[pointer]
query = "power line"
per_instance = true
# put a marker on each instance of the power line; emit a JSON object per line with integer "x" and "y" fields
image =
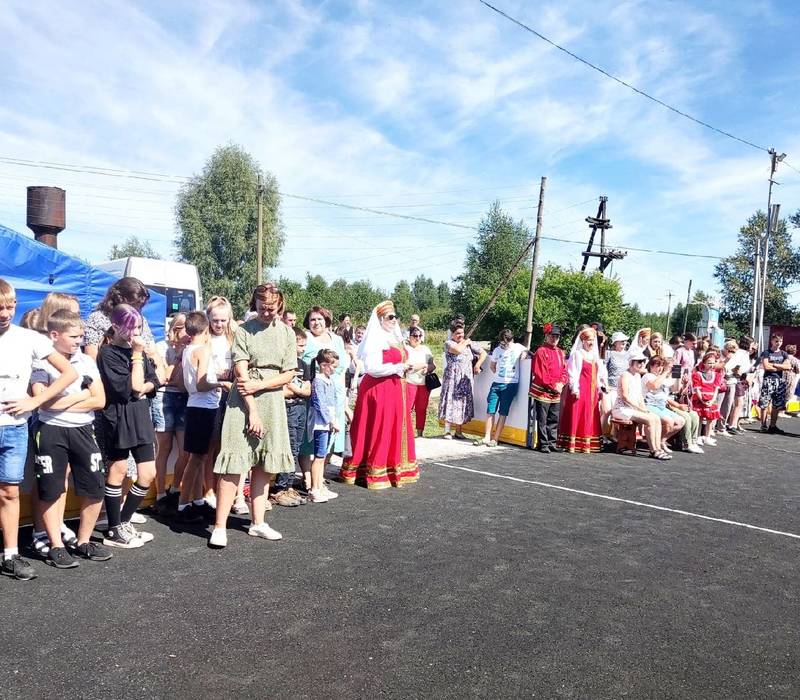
{"x": 397, "y": 215}
{"x": 620, "y": 81}
{"x": 789, "y": 165}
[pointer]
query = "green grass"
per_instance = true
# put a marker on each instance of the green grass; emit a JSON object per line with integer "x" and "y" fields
{"x": 435, "y": 341}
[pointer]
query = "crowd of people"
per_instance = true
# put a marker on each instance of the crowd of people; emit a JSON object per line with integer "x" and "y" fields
{"x": 681, "y": 395}
{"x": 249, "y": 413}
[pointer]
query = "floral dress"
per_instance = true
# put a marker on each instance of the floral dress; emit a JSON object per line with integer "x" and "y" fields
{"x": 455, "y": 403}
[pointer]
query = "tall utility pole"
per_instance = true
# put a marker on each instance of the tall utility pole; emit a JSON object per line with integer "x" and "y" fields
{"x": 686, "y": 310}
{"x": 772, "y": 226}
{"x": 260, "y": 240}
{"x": 759, "y": 274}
{"x": 669, "y": 311}
{"x": 534, "y": 266}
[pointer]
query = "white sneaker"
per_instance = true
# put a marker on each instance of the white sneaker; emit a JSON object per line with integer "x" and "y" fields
{"x": 264, "y": 531}
{"x": 138, "y": 519}
{"x": 330, "y": 494}
{"x": 336, "y": 461}
{"x": 710, "y": 441}
{"x": 701, "y": 440}
{"x": 240, "y": 508}
{"x": 219, "y": 537}
{"x": 695, "y": 450}
{"x": 145, "y": 537}
{"x": 318, "y": 496}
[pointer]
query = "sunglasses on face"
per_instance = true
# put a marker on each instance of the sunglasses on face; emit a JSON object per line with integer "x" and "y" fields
{"x": 415, "y": 335}
{"x": 391, "y": 317}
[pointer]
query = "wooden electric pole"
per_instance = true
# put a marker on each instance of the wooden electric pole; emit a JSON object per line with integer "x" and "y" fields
{"x": 669, "y": 311}
{"x": 534, "y": 266}
{"x": 686, "y": 310}
{"x": 260, "y": 240}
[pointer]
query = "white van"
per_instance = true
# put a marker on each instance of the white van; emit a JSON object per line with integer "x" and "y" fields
{"x": 177, "y": 281}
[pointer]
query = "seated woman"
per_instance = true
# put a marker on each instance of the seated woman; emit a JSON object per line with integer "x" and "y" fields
{"x": 631, "y": 407}
{"x": 655, "y": 386}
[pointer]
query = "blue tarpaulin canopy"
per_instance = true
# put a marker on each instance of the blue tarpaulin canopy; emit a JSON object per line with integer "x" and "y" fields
{"x": 34, "y": 270}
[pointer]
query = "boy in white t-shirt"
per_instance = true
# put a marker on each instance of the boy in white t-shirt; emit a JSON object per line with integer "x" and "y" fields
{"x": 504, "y": 362}
{"x": 19, "y": 347}
{"x": 201, "y": 414}
{"x": 66, "y": 439}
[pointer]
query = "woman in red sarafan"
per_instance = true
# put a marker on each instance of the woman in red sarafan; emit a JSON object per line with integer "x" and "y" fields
{"x": 579, "y": 423}
{"x": 381, "y": 434}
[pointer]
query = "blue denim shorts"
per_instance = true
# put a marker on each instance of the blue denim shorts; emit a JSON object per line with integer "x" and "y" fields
{"x": 13, "y": 453}
{"x": 168, "y": 411}
{"x": 321, "y": 442}
{"x": 500, "y": 398}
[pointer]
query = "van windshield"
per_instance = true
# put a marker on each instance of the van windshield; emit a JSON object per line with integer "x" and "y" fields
{"x": 178, "y": 300}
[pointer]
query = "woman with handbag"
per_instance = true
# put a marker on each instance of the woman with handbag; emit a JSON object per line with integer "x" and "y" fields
{"x": 419, "y": 377}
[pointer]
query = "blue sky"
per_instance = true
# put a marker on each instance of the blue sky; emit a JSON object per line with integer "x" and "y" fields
{"x": 428, "y": 108}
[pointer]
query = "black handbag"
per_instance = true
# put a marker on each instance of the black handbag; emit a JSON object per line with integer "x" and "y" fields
{"x": 432, "y": 381}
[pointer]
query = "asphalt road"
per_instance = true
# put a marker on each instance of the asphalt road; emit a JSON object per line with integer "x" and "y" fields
{"x": 464, "y": 585}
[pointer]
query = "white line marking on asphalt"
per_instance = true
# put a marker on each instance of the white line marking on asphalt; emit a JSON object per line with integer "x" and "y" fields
{"x": 620, "y": 500}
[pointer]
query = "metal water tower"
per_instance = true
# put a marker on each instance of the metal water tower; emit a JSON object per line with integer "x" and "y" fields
{"x": 47, "y": 213}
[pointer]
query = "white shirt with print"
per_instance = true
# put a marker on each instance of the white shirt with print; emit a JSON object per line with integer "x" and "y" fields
{"x": 507, "y": 360}
{"x": 45, "y": 373}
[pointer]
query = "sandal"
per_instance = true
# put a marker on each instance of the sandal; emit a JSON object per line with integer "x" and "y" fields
{"x": 492, "y": 443}
{"x": 663, "y": 456}
{"x": 460, "y": 436}
{"x": 481, "y": 443}
{"x": 448, "y": 436}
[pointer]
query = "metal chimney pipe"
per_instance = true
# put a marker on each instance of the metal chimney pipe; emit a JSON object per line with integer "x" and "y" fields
{"x": 46, "y": 213}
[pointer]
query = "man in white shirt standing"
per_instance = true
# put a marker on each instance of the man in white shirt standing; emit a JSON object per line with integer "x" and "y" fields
{"x": 19, "y": 347}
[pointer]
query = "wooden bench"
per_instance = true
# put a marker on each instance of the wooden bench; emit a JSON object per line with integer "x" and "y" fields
{"x": 626, "y": 435}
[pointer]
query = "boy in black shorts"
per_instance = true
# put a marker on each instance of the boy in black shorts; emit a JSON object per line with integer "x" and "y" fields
{"x": 773, "y": 389}
{"x": 66, "y": 439}
{"x": 201, "y": 414}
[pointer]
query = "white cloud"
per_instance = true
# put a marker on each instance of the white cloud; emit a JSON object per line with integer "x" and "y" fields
{"x": 382, "y": 101}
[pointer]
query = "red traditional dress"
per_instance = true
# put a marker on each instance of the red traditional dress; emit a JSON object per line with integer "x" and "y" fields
{"x": 381, "y": 434}
{"x": 706, "y": 385}
{"x": 579, "y": 423}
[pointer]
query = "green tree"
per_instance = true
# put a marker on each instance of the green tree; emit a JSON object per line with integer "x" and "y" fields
{"x": 735, "y": 273}
{"x": 443, "y": 292}
{"x": 498, "y": 245}
{"x": 355, "y": 298}
{"x": 403, "y": 300}
{"x": 571, "y": 298}
{"x": 217, "y": 218}
{"x": 426, "y": 295}
{"x": 133, "y": 247}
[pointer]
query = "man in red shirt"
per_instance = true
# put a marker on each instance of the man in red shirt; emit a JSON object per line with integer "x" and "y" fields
{"x": 548, "y": 376}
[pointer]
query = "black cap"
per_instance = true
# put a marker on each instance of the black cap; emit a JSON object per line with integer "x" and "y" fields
{"x": 551, "y": 329}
